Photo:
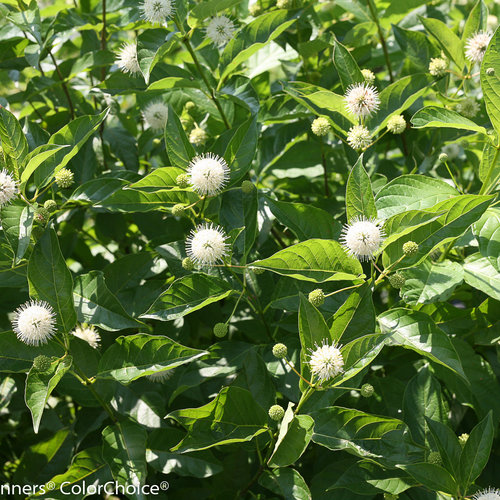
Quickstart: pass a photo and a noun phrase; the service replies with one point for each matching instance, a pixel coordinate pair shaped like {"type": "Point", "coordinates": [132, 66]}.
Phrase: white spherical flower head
{"type": "Point", "coordinates": [89, 334]}
{"type": "Point", "coordinates": [127, 59]}
{"type": "Point", "coordinates": [160, 377]}
{"type": "Point", "coordinates": [158, 11]}
{"type": "Point", "coordinates": [362, 238]}
{"type": "Point", "coordinates": [362, 99]}
{"type": "Point", "coordinates": [476, 46]}
{"type": "Point", "coordinates": [359, 137]}
{"type": "Point", "coordinates": [220, 30]}
{"type": "Point", "coordinates": [488, 494]}
{"type": "Point", "coordinates": [8, 188]}
{"type": "Point", "coordinates": [208, 174]}
{"type": "Point", "coordinates": [34, 322]}
{"type": "Point", "coordinates": [469, 107]}
{"type": "Point", "coordinates": [207, 245]}
{"type": "Point", "coordinates": [326, 361]}
{"type": "Point", "coordinates": [156, 114]}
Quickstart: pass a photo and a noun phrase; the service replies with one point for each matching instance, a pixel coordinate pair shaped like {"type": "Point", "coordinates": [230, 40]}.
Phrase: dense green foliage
{"type": "Point", "coordinates": [151, 358]}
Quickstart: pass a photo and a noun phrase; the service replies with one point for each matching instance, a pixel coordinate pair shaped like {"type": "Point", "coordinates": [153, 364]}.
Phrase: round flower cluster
{"type": "Point", "coordinates": [469, 107]}
{"type": "Point", "coordinates": [88, 334]}
{"type": "Point", "coordinates": [410, 248]}
{"type": "Point", "coordinates": [397, 280]}
{"type": "Point", "coordinates": [367, 390]}
{"type": "Point", "coordinates": [127, 59]}
{"type": "Point", "coordinates": [362, 238]}
{"type": "Point", "coordinates": [208, 174]}
{"type": "Point", "coordinates": [220, 30]}
{"type": "Point", "coordinates": [158, 11]}
{"type": "Point", "coordinates": [438, 66]}
{"type": "Point", "coordinates": [320, 126]}
{"type": "Point", "coordinates": [41, 363]}
{"type": "Point", "coordinates": [362, 99]}
{"type": "Point", "coordinates": [50, 206]}
{"type": "Point", "coordinates": [359, 137]}
{"type": "Point", "coordinates": [326, 361]}
{"type": "Point", "coordinates": [206, 245]}
{"type": "Point", "coordinates": [64, 178]}
{"type": "Point", "coordinates": [396, 124]}
{"type": "Point", "coordinates": [220, 330]}
{"type": "Point", "coordinates": [487, 494]}
{"type": "Point", "coordinates": [156, 114]}
{"type": "Point", "coordinates": [280, 351]}
{"type": "Point", "coordinates": [182, 181]}
{"type": "Point", "coordinates": [247, 187]}
{"type": "Point", "coordinates": [198, 136]}
{"type": "Point", "coordinates": [276, 412]}
{"type": "Point", "coordinates": [34, 322]}
{"type": "Point", "coordinates": [187, 264]}
{"type": "Point", "coordinates": [476, 46]}
{"type": "Point", "coordinates": [317, 297]}
{"type": "Point", "coordinates": [368, 75]}
{"type": "Point", "coordinates": [8, 188]}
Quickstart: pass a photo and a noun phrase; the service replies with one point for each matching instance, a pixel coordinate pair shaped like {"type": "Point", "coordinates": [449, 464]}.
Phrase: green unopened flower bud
{"type": "Point", "coordinates": [396, 124]}
{"type": "Point", "coordinates": [178, 210]}
{"type": "Point", "coordinates": [390, 496]}
{"type": "Point", "coordinates": [320, 126]}
{"type": "Point", "coordinates": [397, 280]}
{"type": "Point", "coordinates": [220, 330]}
{"type": "Point", "coordinates": [276, 412]}
{"type": "Point", "coordinates": [284, 4]}
{"type": "Point", "coordinates": [490, 71]}
{"type": "Point", "coordinates": [443, 157]}
{"type": "Point", "coordinates": [434, 458]}
{"type": "Point", "coordinates": [64, 178]}
{"type": "Point", "coordinates": [187, 121]}
{"type": "Point", "coordinates": [280, 351]}
{"type": "Point", "coordinates": [462, 439]}
{"type": "Point", "coordinates": [368, 75]}
{"type": "Point", "coordinates": [189, 106]}
{"type": "Point", "coordinates": [198, 136]}
{"type": "Point", "coordinates": [438, 66]}
{"type": "Point", "coordinates": [317, 297]}
{"type": "Point", "coordinates": [42, 215]}
{"type": "Point", "coordinates": [187, 264]}
{"type": "Point", "coordinates": [247, 187]}
{"type": "Point", "coordinates": [50, 205]}
{"type": "Point", "coordinates": [182, 181]}
{"type": "Point", "coordinates": [255, 9]}
{"type": "Point", "coordinates": [367, 390]}
{"type": "Point", "coordinates": [41, 363]}
{"type": "Point", "coordinates": [410, 248]}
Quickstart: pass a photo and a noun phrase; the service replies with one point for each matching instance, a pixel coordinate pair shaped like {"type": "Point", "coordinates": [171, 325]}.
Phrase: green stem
{"type": "Point", "coordinates": [63, 84]}
{"type": "Point", "coordinates": [453, 178]}
{"type": "Point", "coordinates": [382, 39]}
{"type": "Point", "coordinates": [486, 188]}
{"type": "Point", "coordinates": [305, 396]}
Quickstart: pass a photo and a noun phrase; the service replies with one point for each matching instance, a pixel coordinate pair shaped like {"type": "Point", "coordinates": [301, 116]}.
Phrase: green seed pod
{"type": "Point", "coordinates": [220, 330]}
{"type": "Point", "coordinates": [187, 264]}
{"type": "Point", "coordinates": [247, 187]}
{"type": "Point", "coordinates": [41, 363]}
{"type": "Point", "coordinates": [397, 280]}
{"type": "Point", "coordinates": [367, 390]}
{"type": "Point", "coordinates": [50, 206]}
{"type": "Point", "coordinates": [42, 215]}
{"type": "Point", "coordinates": [276, 412]}
{"type": "Point", "coordinates": [434, 458]}
{"type": "Point", "coordinates": [317, 297]}
{"type": "Point", "coordinates": [178, 210]}
{"type": "Point", "coordinates": [280, 351]}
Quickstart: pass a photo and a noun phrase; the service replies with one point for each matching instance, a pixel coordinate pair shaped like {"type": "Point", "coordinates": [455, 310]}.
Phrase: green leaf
{"type": "Point", "coordinates": [96, 305]}
{"type": "Point", "coordinates": [432, 476]}
{"type": "Point", "coordinates": [457, 215]}
{"type": "Point", "coordinates": [159, 178]}
{"type": "Point", "coordinates": [17, 222]}
{"type": "Point", "coordinates": [38, 156]}
{"type": "Point", "coordinates": [17, 357]}
{"type": "Point", "coordinates": [294, 437]}
{"type": "Point", "coordinates": [188, 294]}
{"type": "Point", "coordinates": [489, 168]}
{"type": "Point", "coordinates": [232, 417]}
{"type": "Point", "coordinates": [313, 260]}
{"type": "Point", "coordinates": [346, 66]}
{"type": "Point", "coordinates": [359, 200]}
{"type": "Point", "coordinates": [135, 356]}
{"type": "Point", "coordinates": [422, 400]}
{"type": "Point", "coordinates": [431, 282]}
{"type": "Point", "coordinates": [179, 150]}
{"type": "Point", "coordinates": [14, 144]}
{"type": "Point", "coordinates": [382, 440]}
{"type": "Point", "coordinates": [416, 46]}
{"type": "Point", "coordinates": [448, 41]}
{"type": "Point", "coordinates": [411, 192]}
{"type": "Point", "coordinates": [416, 331]}
{"type": "Point", "coordinates": [40, 384]}
{"type": "Point", "coordinates": [173, 82]}
{"type": "Point", "coordinates": [476, 451]}
{"type": "Point", "coordinates": [490, 84]}
{"type": "Point", "coordinates": [477, 20]}
{"type": "Point", "coordinates": [152, 46]}
{"type": "Point", "coordinates": [480, 273]}
{"type": "Point", "coordinates": [447, 444]}
{"type": "Point", "coordinates": [487, 232]}
{"type": "Point", "coordinates": [285, 482]}
{"type": "Point", "coordinates": [208, 9]}
{"type": "Point", "coordinates": [253, 37]}
{"type": "Point", "coordinates": [433, 116]}
{"type": "Point", "coordinates": [124, 450]}
{"type": "Point", "coordinates": [50, 279]}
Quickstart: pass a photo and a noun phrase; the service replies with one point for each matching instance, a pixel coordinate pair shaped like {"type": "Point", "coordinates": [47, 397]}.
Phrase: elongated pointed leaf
{"type": "Point", "coordinates": [359, 198]}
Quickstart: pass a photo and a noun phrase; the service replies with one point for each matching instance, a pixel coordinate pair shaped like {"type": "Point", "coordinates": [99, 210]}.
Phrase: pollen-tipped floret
{"type": "Point", "coordinates": [362, 99]}
{"type": "Point", "coordinates": [127, 59]}
{"type": "Point", "coordinates": [206, 245]}
{"type": "Point", "coordinates": [359, 137]}
{"type": "Point", "coordinates": [476, 46]}
{"type": "Point", "coordinates": [208, 174]}
{"type": "Point", "coordinates": [156, 114]}
{"type": "Point", "coordinates": [438, 66]}
{"type": "Point", "coordinates": [220, 30]}
{"type": "Point", "coordinates": [158, 11]}
{"type": "Point", "coordinates": [34, 322]}
{"type": "Point", "coordinates": [8, 188]}
{"type": "Point", "coordinates": [89, 334]}
{"type": "Point", "coordinates": [362, 238]}
{"type": "Point", "coordinates": [396, 124]}
{"type": "Point", "coordinates": [326, 361]}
